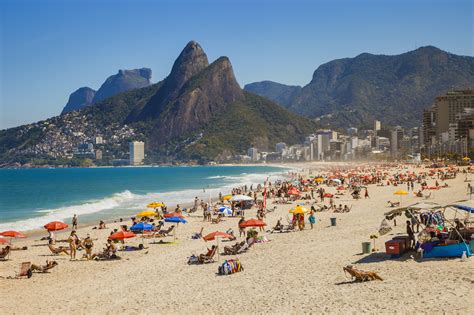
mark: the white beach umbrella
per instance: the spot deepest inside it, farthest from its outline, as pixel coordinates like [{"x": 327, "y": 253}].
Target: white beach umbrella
[{"x": 239, "y": 198}]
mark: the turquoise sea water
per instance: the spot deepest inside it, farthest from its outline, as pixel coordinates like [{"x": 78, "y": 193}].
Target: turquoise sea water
[{"x": 30, "y": 198}]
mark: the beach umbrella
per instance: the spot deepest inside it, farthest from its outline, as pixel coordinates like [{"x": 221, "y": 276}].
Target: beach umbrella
[
  {"x": 401, "y": 193},
  {"x": 146, "y": 213},
  {"x": 239, "y": 198},
  {"x": 175, "y": 219},
  {"x": 121, "y": 235},
  {"x": 252, "y": 222},
  {"x": 142, "y": 226},
  {"x": 173, "y": 214},
  {"x": 155, "y": 205},
  {"x": 336, "y": 180},
  {"x": 55, "y": 226},
  {"x": 328, "y": 195},
  {"x": 4, "y": 241},
  {"x": 214, "y": 235},
  {"x": 13, "y": 234},
  {"x": 225, "y": 210},
  {"x": 319, "y": 179},
  {"x": 298, "y": 210},
  {"x": 227, "y": 197}
]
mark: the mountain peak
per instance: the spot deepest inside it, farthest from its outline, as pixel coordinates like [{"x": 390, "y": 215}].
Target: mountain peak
[{"x": 190, "y": 62}]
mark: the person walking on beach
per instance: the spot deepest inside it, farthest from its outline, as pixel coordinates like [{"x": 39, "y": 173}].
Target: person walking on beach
[
  {"x": 366, "y": 193},
  {"x": 241, "y": 229},
  {"x": 72, "y": 240},
  {"x": 74, "y": 222},
  {"x": 411, "y": 235},
  {"x": 312, "y": 219}
]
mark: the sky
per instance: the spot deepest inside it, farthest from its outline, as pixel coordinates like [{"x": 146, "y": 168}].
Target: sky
[{"x": 50, "y": 48}]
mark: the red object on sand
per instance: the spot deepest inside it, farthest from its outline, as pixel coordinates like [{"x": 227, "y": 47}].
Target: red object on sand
[
  {"x": 55, "y": 226},
  {"x": 173, "y": 214},
  {"x": 293, "y": 191},
  {"x": 121, "y": 235},
  {"x": 328, "y": 195},
  {"x": 4, "y": 241},
  {"x": 252, "y": 222},
  {"x": 13, "y": 234},
  {"x": 212, "y": 236}
]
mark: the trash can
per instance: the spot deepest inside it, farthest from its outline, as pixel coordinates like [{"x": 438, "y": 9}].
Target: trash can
[
  {"x": 333, "y": 221},
  {"x": 366, "y": 247}
]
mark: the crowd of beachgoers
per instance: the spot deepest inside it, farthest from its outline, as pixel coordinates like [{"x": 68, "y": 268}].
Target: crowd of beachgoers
[{"x": 225, "y": 231}]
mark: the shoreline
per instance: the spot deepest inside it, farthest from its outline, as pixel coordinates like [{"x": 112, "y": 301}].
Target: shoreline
[{"x": 110, "y": 218}]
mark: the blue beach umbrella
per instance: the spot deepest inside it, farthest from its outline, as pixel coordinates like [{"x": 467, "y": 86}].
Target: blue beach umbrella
[
  {"x": 142, "y": 226},
  {"x": 225, "y": 210},
  {"x": 175, "y": 220}
]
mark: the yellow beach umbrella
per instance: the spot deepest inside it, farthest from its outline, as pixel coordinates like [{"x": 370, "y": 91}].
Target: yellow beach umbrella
[
  {"x": 466, "y": 158},
  {"x": 298, "y": 210},
  {"x": 146, "y": 213},
  {"x": 227, "y": 197},
  {"x": 319, "y": 179},
  {"x": 401, "y": 193},
  {"x": 155, "y": 205}
]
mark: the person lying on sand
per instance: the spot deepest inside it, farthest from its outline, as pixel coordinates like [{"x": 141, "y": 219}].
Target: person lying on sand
[
  {"x": 109, "y": 252},
  {"x": 278, "y": 226},
  {"x": 44, "y": 268}
]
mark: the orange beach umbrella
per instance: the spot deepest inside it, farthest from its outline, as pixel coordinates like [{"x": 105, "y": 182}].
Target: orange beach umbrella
[
  {"x": 55, "y": 226},
  {"x": 120, "y": 235},
  {"x": 212, "y": 236},
  {"x": 252, "y": 222},
  {"x": 14, "y": 234},
  {"x": 4, "y": 241}
]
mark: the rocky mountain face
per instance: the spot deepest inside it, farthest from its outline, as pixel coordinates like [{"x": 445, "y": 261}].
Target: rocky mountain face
[
  {"x": 280, "y": 93},
  {"x": 123, "y": 81},
  {"x": 79, "y": 99},
  {"x": 393, "y": 89},
  {"x": 198, "y": 112}
]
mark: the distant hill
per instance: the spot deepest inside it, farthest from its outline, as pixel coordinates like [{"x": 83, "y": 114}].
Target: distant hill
[
  {"x": 123, "y": 81},
  {"x": 80, "y": 98},
  {"x": 197, "y": 113},
  {"x": 280, "y": 93},
  {"x": 393, "y": 89}
]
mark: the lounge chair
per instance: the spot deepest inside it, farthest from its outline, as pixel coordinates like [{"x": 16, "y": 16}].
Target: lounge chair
[
  {"x": 59, "y": 250},
  {"x": 43, "y": 269},
  {"x": 5, "y": 252},
  {"x": 234, "y": 249},
  {"x": 163, "y": 233},
  {"x": 208, "y": 257}
]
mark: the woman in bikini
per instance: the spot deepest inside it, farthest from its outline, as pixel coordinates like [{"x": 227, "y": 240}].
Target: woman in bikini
[
  {"x": 88, "y": 245},
  {"x": 72, "y": 244}
]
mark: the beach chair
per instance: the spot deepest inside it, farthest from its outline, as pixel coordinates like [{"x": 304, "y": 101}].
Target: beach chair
[
  {"x": 59, "y": 250},
  {"x": 206, "y": 259},
  {"x": 4, "y": 253},
  {"x": 25, "y": 270}
]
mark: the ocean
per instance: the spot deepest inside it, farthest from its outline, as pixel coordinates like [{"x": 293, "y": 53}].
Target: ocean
[{"x": 30, "y": 198}]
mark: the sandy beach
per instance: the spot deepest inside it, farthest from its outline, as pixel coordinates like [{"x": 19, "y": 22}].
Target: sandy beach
[{"x": 298, "y": 272}]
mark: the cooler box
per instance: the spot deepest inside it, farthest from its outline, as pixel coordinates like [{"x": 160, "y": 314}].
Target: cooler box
[
  {"x": 405, "y": 238},
  {"x": 395, "y": 247}
]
